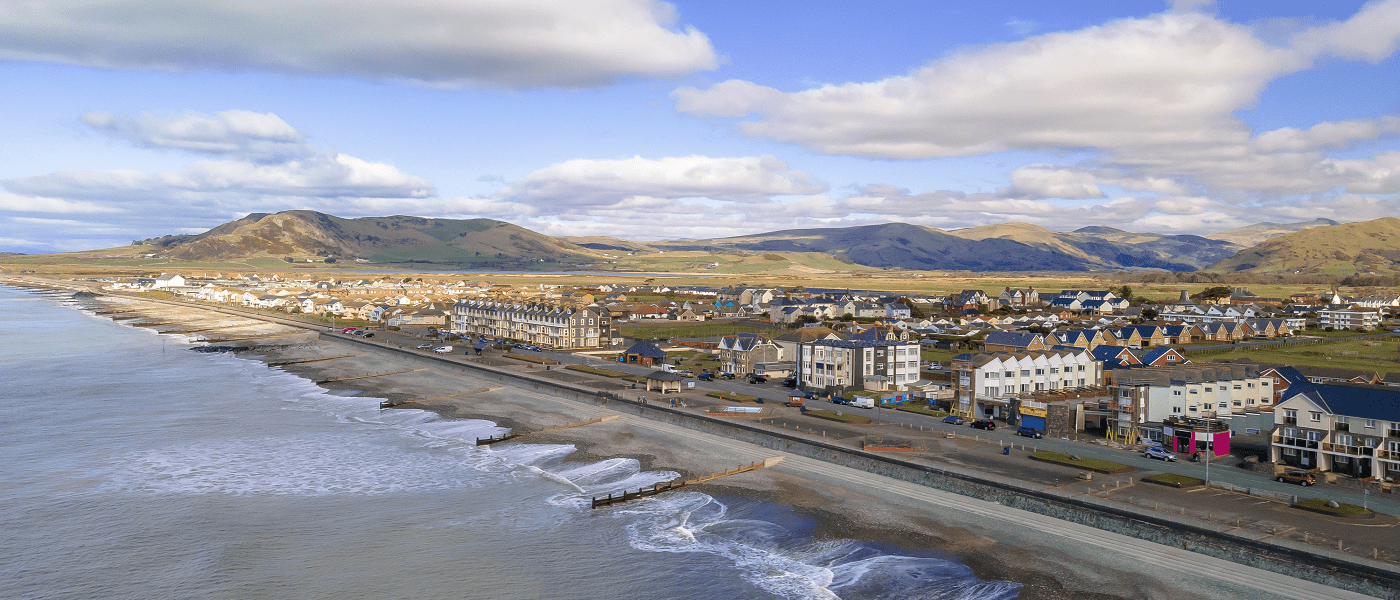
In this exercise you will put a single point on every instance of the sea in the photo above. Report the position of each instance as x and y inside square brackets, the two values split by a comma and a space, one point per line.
[136, 468]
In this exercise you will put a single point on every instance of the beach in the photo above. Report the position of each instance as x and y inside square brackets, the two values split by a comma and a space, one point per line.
[842, 503]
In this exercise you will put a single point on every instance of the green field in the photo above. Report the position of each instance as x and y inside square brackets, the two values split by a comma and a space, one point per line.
[1320, 504]
[1319, 354]
[1173, 479]
[693, 330]
[832, 415]
[1091, 464]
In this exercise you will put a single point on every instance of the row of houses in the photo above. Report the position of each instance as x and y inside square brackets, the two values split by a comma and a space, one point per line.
[1136, 336]
[558, 326]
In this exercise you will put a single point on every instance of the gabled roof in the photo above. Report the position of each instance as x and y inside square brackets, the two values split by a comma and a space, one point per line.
[646, 350]
[1361, 401]
[1011, 338]
[1159, 352]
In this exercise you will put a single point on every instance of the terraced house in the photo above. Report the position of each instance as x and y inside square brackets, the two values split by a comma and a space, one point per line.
[548, 325]
[1238, 395]
[1343, 428]
[987, 384]
[841, 365]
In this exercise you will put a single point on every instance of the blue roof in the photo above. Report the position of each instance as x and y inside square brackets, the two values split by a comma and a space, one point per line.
[1157, 353]
[1366, 402]
[858, 343]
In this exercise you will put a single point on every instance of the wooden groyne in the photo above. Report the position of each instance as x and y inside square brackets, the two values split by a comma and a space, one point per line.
[662, 488]
[368, 376]
[496, 440]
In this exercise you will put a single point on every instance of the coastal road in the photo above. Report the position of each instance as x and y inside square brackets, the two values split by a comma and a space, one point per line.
[1134, 555]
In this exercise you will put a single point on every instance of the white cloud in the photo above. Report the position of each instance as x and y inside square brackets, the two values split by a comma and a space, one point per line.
[241, 133]
[589, 183]
[1047, 181]
[1371, 34]
[1168, 79]
[1326, 135]
[39, 204]
[511, 43]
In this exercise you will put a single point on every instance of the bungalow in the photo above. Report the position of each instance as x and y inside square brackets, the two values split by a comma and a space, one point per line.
[168, 281]
[643, 353]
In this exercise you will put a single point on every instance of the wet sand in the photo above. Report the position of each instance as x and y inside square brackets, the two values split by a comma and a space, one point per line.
[1041, 563]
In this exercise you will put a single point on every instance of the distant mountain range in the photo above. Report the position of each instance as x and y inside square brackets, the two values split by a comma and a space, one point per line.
[396, 239]
[1315, 246]
[1342, 249]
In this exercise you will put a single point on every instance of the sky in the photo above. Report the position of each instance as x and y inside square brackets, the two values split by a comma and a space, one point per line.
[129, 119]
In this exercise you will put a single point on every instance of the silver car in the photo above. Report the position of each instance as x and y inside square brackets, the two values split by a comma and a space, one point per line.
[1160, 454]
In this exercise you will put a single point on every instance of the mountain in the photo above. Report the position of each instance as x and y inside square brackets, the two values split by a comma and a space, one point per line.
[397, 239]
[1364, 247]
[1252, 235]
[1108, 248]
[895, 245]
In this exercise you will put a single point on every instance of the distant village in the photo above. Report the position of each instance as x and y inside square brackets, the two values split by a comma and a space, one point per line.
[1073, 361]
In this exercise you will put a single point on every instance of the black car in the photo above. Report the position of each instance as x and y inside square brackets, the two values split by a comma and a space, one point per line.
[706, 377]
[726, 375]
[987, 424]
[1030, 432]
[369, 335]
[790, 382]
[758, 379]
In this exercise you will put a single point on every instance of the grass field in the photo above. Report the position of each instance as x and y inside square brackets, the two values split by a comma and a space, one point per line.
[732, 396]
[1320, 504]
[921, 409]
[1319, 354]
[1091, 464]
[1172, 479]
[693, 330]
[832, 415]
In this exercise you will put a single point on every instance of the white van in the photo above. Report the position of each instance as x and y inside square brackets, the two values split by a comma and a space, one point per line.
[442, 349]
[863, 402]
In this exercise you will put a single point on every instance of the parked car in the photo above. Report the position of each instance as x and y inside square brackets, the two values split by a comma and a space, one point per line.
[369, 334]
[1299, 477]
[839, 400]
[706, 377]
[348, 330]
[986, 424]
[1029, 432]
[953, 420]
[758, 379]
[1159, 454]
[424, 346]
[727, 375]
[790, 382]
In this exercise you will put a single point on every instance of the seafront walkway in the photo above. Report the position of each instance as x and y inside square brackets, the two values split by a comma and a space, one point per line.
[979, 512]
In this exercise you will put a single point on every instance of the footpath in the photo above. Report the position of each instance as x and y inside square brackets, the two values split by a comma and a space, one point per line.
[1218, 522]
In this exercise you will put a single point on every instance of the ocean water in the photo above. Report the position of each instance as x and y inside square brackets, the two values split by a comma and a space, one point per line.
[135, 468]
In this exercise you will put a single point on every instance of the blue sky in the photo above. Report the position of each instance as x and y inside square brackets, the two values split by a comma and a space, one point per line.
[126, 119]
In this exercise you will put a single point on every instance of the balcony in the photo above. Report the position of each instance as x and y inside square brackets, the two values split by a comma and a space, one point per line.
[1342, 426]
[1388, 455]
[1348, 450]
[1295, 442]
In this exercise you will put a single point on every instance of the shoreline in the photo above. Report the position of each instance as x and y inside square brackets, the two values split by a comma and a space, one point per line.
[839, 511]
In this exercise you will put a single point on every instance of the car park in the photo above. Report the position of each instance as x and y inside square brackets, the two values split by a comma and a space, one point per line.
[986, 424]
[953, 420]
[1159, 454]
[1298, 476]
[1029, 432]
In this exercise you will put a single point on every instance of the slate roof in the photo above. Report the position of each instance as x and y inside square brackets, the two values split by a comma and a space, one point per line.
[1157, 353]
[1361, 401]
[1011, 338]
[646, 350]
[665, 376]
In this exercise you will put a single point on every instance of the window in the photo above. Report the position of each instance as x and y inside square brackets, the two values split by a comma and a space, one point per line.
[1081, 367]
[1025, 372]
[1194, 408]
[1264, 384]
[1316, 416]
[1176, 409]
[1010, 389]
[1210, 389]
[1221, 405]
[1251, 386]
[1290, 416]
[1193, 391]
[1251, 402]
[1054, 370]
[1370, 423]
[1010, 373]
[1344, 439]
[991, 374]
[1040, 371]
[1176, 392]
[1238, 386]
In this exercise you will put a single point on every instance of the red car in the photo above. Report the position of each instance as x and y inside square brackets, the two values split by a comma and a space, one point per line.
[348, 330]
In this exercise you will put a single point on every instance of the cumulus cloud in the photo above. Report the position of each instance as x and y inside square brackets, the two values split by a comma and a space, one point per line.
[1046, 181]
[510, 43]
[246, 134]
[1166, 79]
[587, 183]
[1153, 100]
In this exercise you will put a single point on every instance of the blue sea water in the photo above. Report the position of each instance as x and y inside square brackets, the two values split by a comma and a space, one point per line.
[134, 468]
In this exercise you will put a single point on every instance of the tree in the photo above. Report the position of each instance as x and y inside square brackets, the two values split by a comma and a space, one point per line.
[1150, 314]
[1126, 292]
[1211, 294]
[805, 320]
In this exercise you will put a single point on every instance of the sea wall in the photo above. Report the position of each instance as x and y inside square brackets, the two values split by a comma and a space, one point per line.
[1295, 562]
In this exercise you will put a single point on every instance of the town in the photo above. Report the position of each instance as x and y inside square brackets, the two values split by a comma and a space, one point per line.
[1098, 363]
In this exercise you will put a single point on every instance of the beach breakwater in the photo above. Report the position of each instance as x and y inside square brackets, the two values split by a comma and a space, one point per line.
[1295, 562]
[1327, 570]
